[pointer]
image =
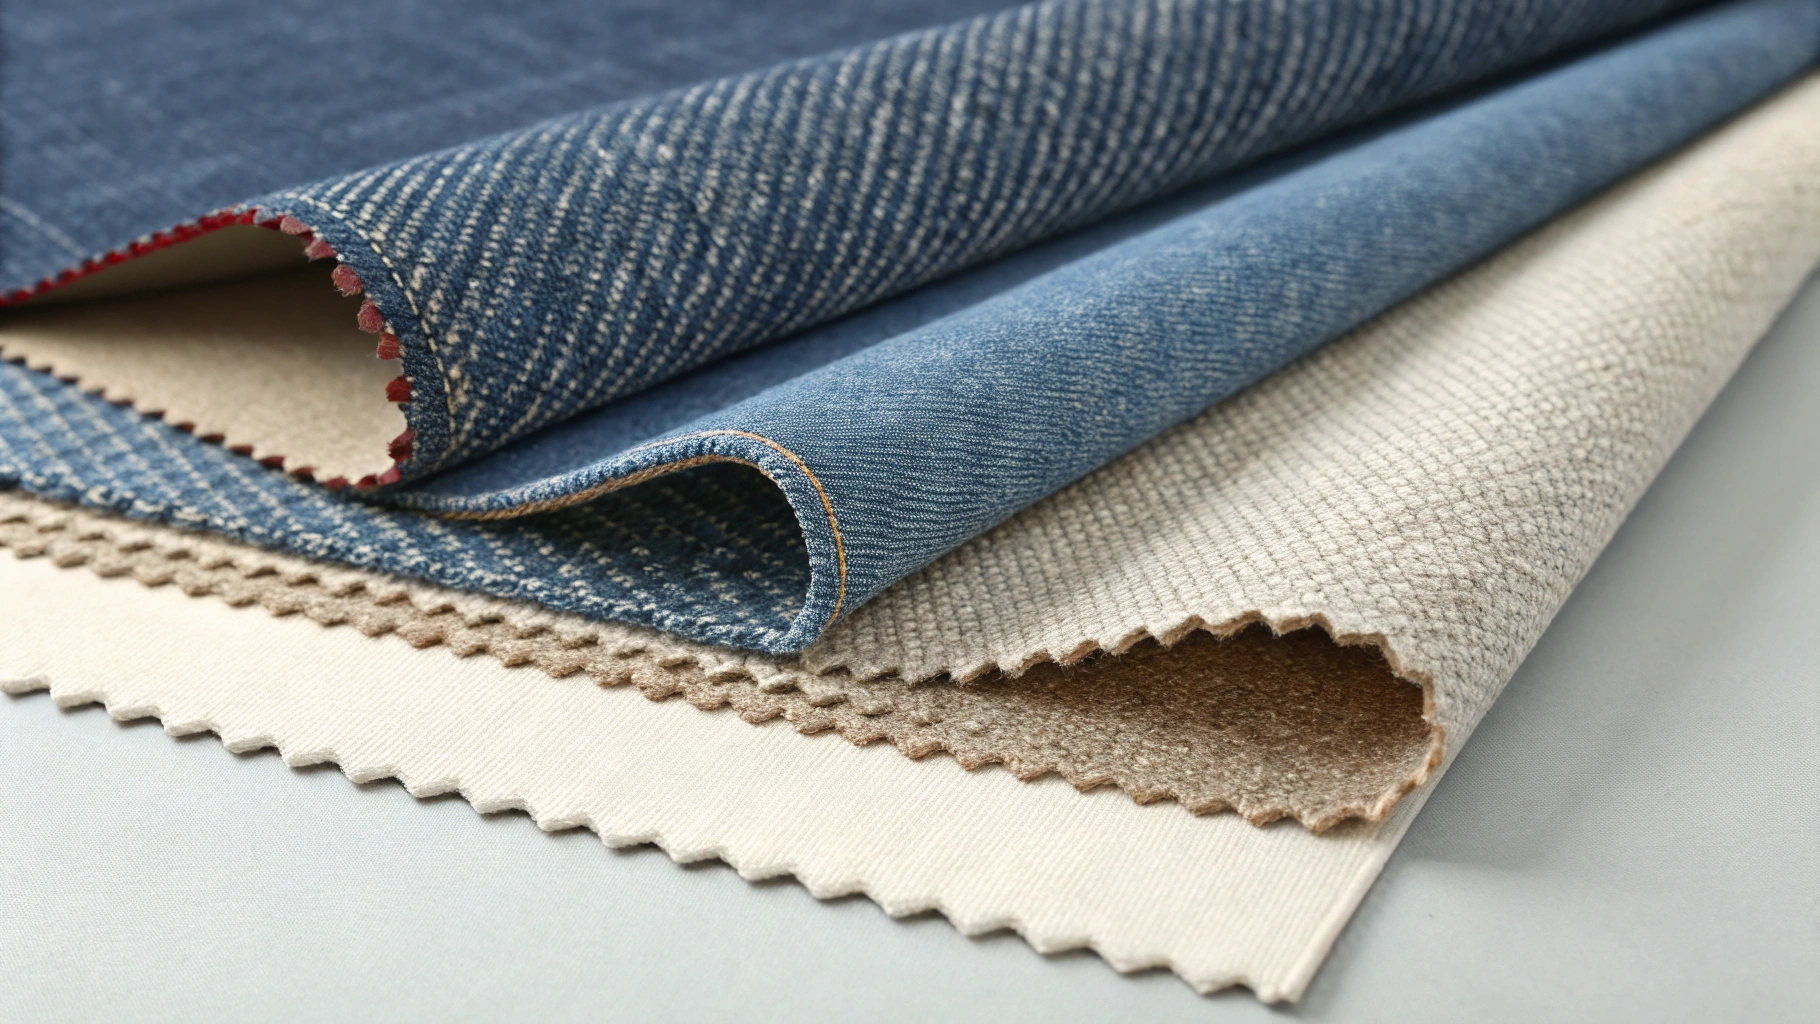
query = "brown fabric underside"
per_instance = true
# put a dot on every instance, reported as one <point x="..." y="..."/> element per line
<point x="1269" y="726"/>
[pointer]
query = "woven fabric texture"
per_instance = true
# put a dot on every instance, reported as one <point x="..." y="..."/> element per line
<point x="1264" y="726"/>
<point x="124" y="117"/>
<point x="1613" y="329"/>
<point x="889" y="456"/>
<point x="313" y="395"/>
<point x="613" y="248"/>
<point x="1609" y="331"/>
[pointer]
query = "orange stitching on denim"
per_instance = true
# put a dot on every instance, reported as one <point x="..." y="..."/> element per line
<point x="840" y="547"/>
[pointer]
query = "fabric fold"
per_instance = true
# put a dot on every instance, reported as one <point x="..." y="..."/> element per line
<point x="1425" y="493"/>
<point x="874" y="464"/>
<point x="1266" y="726"/>
<point x="893" y="455"/>
<point x="1436" y="484"/>
<point x="1614" y="328"/>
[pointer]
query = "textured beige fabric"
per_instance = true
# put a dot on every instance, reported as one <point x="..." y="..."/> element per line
<point x="274" y="365"/>
<point x="1264" y="725"/>
<point x="1216" y="900"/>
<point x="1438" y="481"/>
<point x="1434" y="484"/>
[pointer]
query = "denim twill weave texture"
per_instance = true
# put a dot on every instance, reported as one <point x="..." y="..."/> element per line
<point x="889" y="455"/>
<point x="551" y="269"/>
<point x="1613" y="329"/>
<point x="547" y="271"/>
<point x="896" y="453"/>
<point x="124" y="117"/>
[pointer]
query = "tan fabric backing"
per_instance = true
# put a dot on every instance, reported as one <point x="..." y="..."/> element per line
<point x="1210" y="897"/>
<point x="276" y="365"/>
<point x="1433" y="486"/>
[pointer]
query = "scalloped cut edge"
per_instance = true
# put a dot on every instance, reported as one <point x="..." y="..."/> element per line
<point x="1211" y="899"/>
<point x="647" y="666"/>
<point x="362" y="774"/>
<point x="1264" y="920"/>
<point x="1190" y="623"/>
<point x="342" y="277"/>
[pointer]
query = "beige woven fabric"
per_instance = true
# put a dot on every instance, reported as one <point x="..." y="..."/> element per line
<point x="1267" y="726"/>
<point x="275" y="366"/>
<point x="1214" y="899"/>
<point x="1435" y="483"/>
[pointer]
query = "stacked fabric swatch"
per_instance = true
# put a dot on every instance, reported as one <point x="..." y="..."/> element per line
<point x="1215" y="400"/>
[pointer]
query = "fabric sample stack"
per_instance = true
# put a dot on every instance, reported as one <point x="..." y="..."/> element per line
<point x="1207" y="402"/>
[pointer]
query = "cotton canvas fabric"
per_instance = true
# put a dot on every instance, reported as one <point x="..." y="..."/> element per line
<point x="1434" y="485"/>
<point x="887" y="457"/>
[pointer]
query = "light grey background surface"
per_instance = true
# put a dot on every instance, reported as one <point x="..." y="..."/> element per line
<point x="1631" y="835"/>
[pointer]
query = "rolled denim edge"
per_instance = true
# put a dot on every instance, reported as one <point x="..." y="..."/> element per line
<point x="1793" y="23"/>
<point x="868" y="578"/>
<point x="428" y="414"/>
<point x="741" y="432"/>
<point x="812" y="503"/>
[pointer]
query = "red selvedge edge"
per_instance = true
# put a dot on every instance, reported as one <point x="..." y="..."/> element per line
<point x="202" y="225"/>
<point x="398" y="390"/>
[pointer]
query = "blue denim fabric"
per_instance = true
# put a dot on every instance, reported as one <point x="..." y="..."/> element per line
<point x="897" y="453"/>
<point x="124" y="117"/>
<point x="552" y="269"/>
<point x="890" y="453"/>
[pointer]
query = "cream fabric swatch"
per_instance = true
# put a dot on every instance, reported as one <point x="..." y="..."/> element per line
<point x="1210" y="897"/>
<point x="1435" y="483"/>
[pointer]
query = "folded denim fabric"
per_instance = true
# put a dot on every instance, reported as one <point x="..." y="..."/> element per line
<point x="890" y="455"/>
<point x="125" y="117"/>
<point x="1436" y="484"/>
<point x="1428" y="489"/>
<point x="552" y="268"/>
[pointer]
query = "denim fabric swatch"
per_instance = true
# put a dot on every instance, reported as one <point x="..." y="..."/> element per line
<point x="891" y="453"/>
<point x="549" y="270"/>
<point x="124" y="117"/>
